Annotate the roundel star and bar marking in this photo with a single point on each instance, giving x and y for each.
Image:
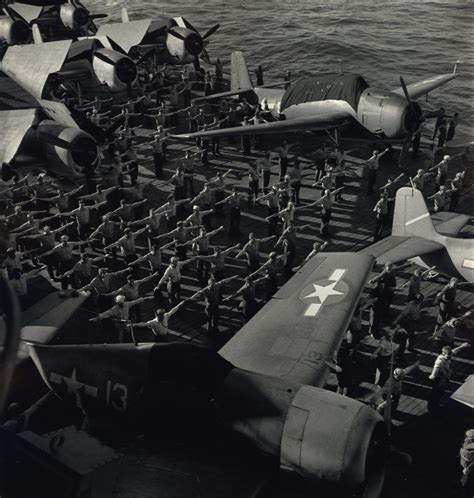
(332, 288)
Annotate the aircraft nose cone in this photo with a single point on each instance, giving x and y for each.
(194, 44)
(81, 16)
(126, 70)
(413, 117)
(20, 33)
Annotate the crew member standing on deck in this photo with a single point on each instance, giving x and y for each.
(373, 164)
(441, 374)
(235, 202)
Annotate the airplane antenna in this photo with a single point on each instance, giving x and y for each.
(456, 64)
(340, 66)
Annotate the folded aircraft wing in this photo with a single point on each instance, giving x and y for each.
(302, 326)
(449, 224)
(324, 121)
(31, 65)
(396, 248)
(416, 90)
(28, 12)
(13, 126)
(126, 35)
(41, 322)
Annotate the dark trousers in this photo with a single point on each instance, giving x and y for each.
(234, 225)
(283, 167)
(253, 192)
(273, 222)
(379, 226)
(371, 179)
(159, 160)
(266, 181)
(454, 200)
(171, 223)
(246, 145)
(339, 183)
(133, 172)
(271, 286)
(189, 184)
(63, 267)
(129, 258)
(174, 292)
(219, 197)
(295, 194)
(203, 269)
(383, 366)
(212, 313)
(325, 219)
(438, 387)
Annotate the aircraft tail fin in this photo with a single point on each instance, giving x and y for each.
(240, 77)
(125, 17)
(37, 38)
(411, 215)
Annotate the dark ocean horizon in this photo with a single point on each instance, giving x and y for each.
(378, 39)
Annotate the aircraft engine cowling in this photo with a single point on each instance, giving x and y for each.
(320, 435)
(73, 17)
(185, 48)
(68, 162)
(114, 69)
(388, 114)
(14, 32)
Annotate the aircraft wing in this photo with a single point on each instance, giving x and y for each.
(416, 90)
(465, 394)
(449, 224)
(396, 248)
(303, 325)
(41, 321)
(324, 121)
(13, 126)
(28, 12)
(126, 35)
(31, 65)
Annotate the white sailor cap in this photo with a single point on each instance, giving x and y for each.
(120, 298)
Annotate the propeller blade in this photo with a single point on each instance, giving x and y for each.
(211, 31)
(190, 26)
(104, 58)
(97, 16)
(404, 88)
(205, 57)
(57, 142)
(129, 90)
(176, 34)
(145, 56)
(197, 65)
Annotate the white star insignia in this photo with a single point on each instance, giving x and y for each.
(324, 291)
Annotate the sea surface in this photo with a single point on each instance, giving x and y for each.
(380, 40)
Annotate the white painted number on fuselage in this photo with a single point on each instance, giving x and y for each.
(116, 396)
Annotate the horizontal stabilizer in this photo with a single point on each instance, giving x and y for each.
(395, 248)
(449, 224)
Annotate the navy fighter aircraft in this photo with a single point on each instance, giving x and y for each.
(28, 140)
(56, 19)
(175, 41)
(266, 383)
(430, 240)
(90, 66)
(341, 102)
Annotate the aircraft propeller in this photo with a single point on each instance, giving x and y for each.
(125, 68)
(194, 42)
(59, 142)
(21, 26)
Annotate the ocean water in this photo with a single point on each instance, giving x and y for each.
(380, 40)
